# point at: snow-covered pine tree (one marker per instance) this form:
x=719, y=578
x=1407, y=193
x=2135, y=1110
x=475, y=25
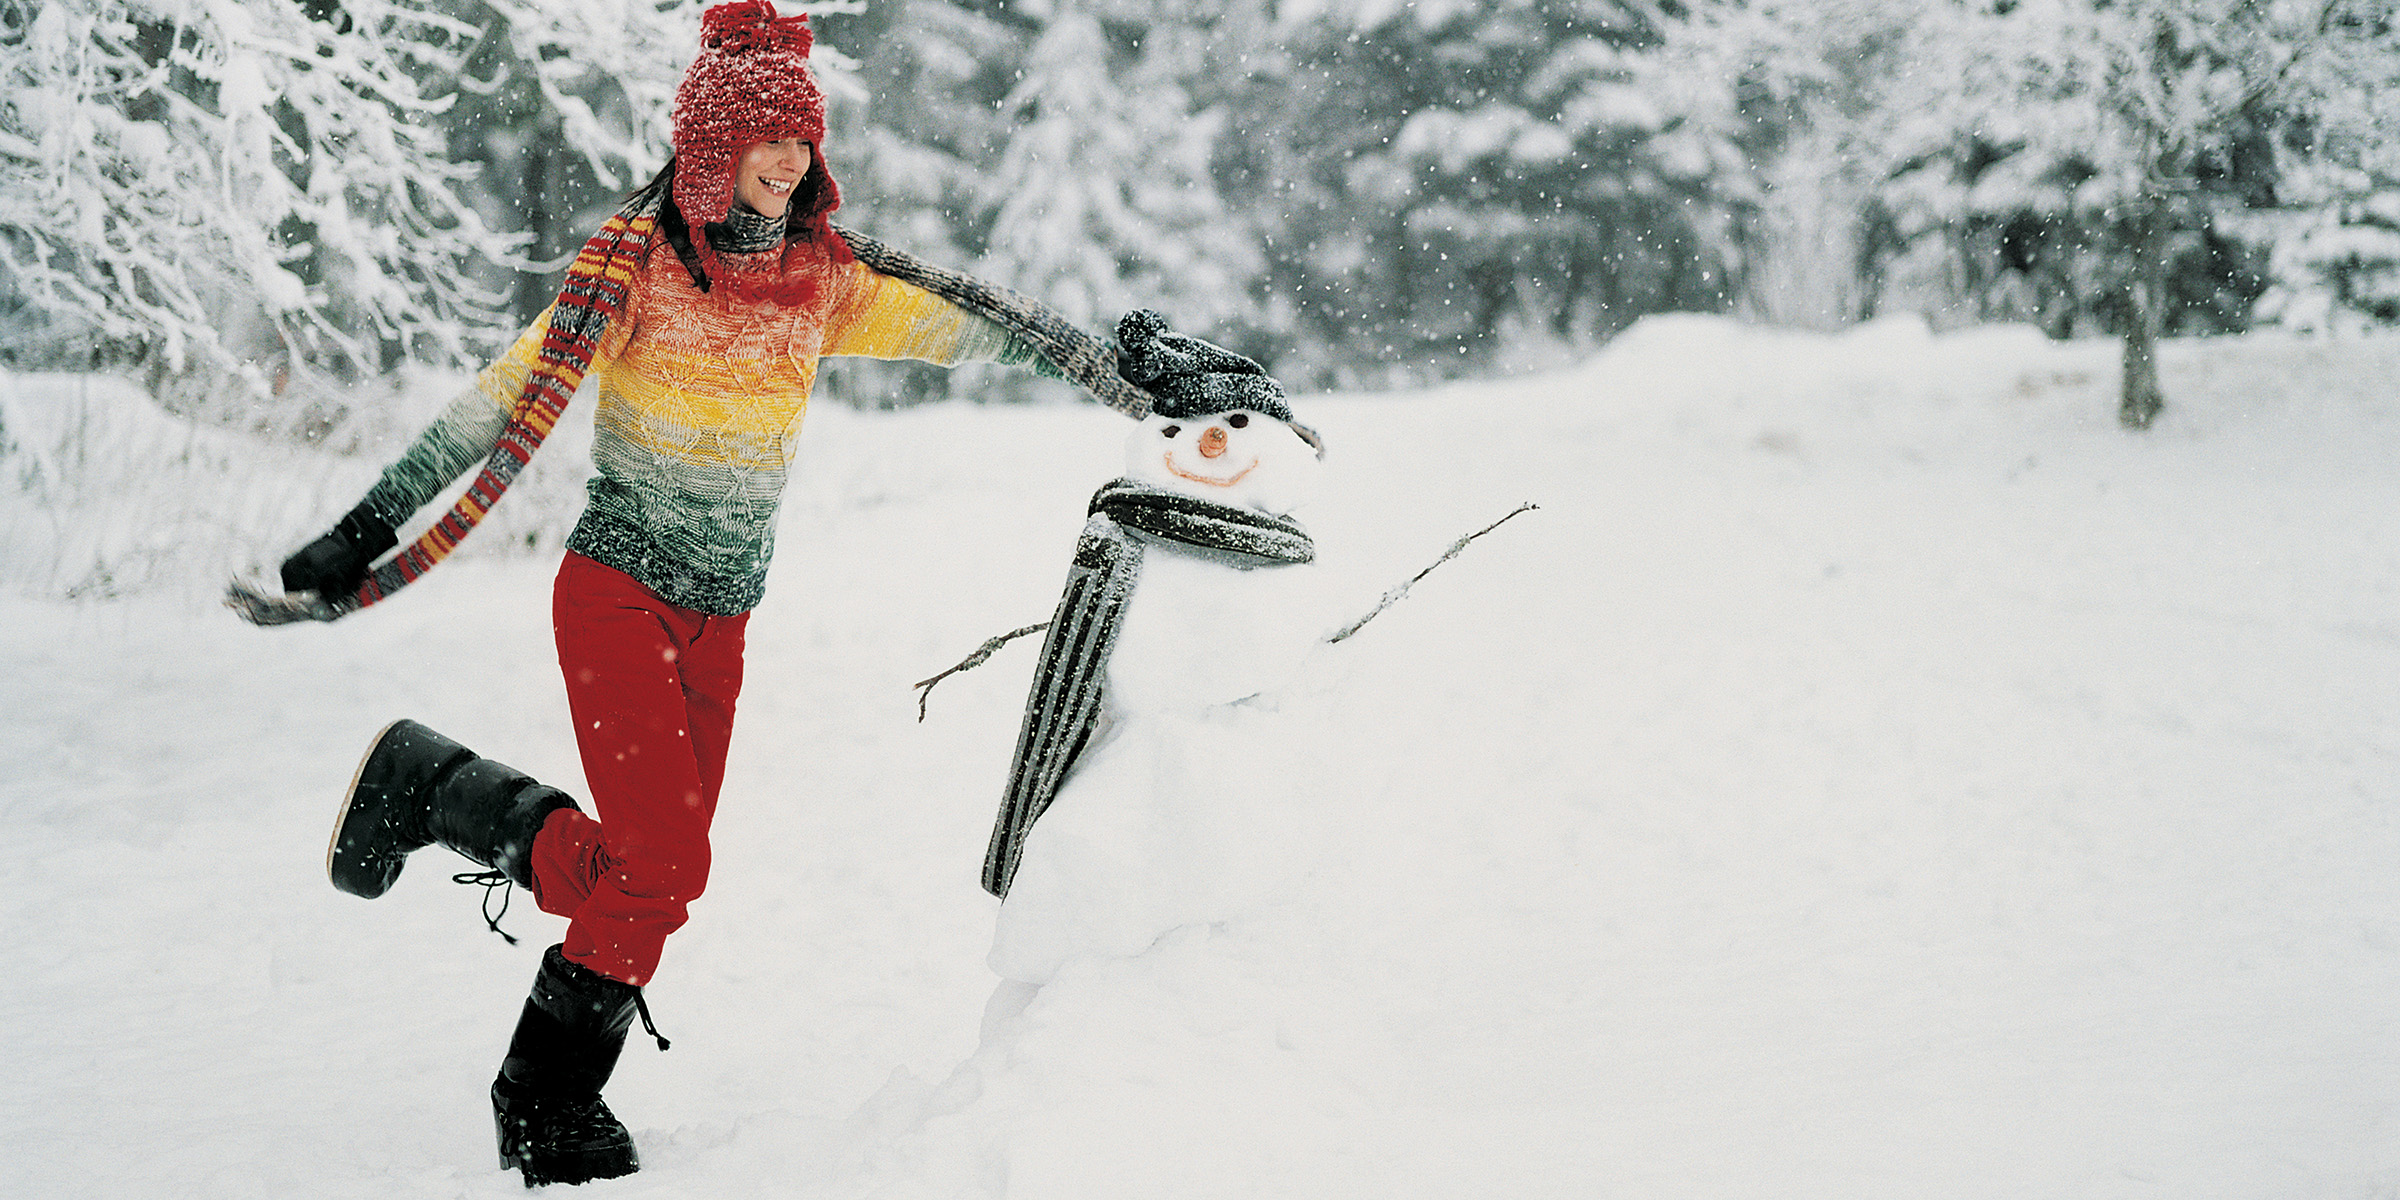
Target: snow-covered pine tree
x=231, y=196
x=920, y=117
x=1433, y=180
x=2337, y=250
x=1049, y=147
x=2336, y=231
x=2092, y=161
x=1103, y=200
x=1802, y=87
x=911, y=131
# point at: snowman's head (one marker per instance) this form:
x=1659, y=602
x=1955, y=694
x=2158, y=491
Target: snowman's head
x=1221, y=430
x=1238, y=456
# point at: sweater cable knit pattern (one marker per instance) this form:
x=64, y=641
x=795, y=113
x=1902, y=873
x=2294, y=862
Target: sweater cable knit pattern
x=699, y=411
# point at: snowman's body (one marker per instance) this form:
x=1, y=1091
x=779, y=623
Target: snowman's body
x=1157, y=825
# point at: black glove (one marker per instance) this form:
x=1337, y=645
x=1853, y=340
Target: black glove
x=334, y=565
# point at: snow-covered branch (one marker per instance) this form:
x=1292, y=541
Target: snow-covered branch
x=1396, y=595
x=239, y=187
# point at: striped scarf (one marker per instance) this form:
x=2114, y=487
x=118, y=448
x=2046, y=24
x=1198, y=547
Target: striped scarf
x=1063, y=707
x=593, y=295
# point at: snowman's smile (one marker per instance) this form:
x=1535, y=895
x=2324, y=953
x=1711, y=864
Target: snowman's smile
x=1224, y=481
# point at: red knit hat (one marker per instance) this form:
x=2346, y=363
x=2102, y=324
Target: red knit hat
x=750, y=84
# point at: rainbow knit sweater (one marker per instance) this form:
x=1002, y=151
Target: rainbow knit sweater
x=700, y=404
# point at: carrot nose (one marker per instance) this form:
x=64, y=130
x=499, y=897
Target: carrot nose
x=1212, y=442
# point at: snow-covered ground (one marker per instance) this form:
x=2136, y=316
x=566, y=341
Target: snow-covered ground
x=1870, y=773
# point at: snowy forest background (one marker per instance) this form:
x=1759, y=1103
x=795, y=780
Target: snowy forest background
x=1873, y=773
x=255, y=206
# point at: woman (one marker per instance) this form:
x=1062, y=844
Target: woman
x=704, y=358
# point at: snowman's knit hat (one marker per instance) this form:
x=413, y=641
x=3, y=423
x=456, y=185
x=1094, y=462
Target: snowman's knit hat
x=750, y=83
x=1189, y=377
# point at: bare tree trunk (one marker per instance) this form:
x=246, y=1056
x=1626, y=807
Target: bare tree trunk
x=539, y=201
x=2141, y=399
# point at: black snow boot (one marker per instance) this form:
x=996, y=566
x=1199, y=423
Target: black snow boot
x=546, y=1101
x=416, y=787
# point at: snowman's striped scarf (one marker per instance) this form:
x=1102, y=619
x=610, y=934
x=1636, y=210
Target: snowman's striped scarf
x=1064, y=704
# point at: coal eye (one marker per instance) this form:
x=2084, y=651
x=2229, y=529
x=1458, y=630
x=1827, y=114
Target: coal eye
x=1170, y=431
x=1238, y=420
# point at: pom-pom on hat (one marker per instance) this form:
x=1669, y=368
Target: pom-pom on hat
x=751, y=83
x=1189, y=377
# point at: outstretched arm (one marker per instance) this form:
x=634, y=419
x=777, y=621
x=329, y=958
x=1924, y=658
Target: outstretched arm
x=1077, y=355
x=325, y=578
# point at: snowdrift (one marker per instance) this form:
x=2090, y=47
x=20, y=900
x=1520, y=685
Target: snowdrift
x=1870, y=774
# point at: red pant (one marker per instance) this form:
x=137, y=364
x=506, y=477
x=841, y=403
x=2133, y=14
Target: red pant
x=651, y=687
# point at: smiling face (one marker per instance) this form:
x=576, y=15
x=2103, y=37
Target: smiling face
x=1201, y=451
x=767, y=173
x=1238, y=457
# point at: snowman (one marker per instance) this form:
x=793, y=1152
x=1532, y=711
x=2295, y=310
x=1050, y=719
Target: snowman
x=1137, y=802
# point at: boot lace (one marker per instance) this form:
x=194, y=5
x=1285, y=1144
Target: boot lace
x=642, y=1007
x=498, y=881
x=491, y=881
